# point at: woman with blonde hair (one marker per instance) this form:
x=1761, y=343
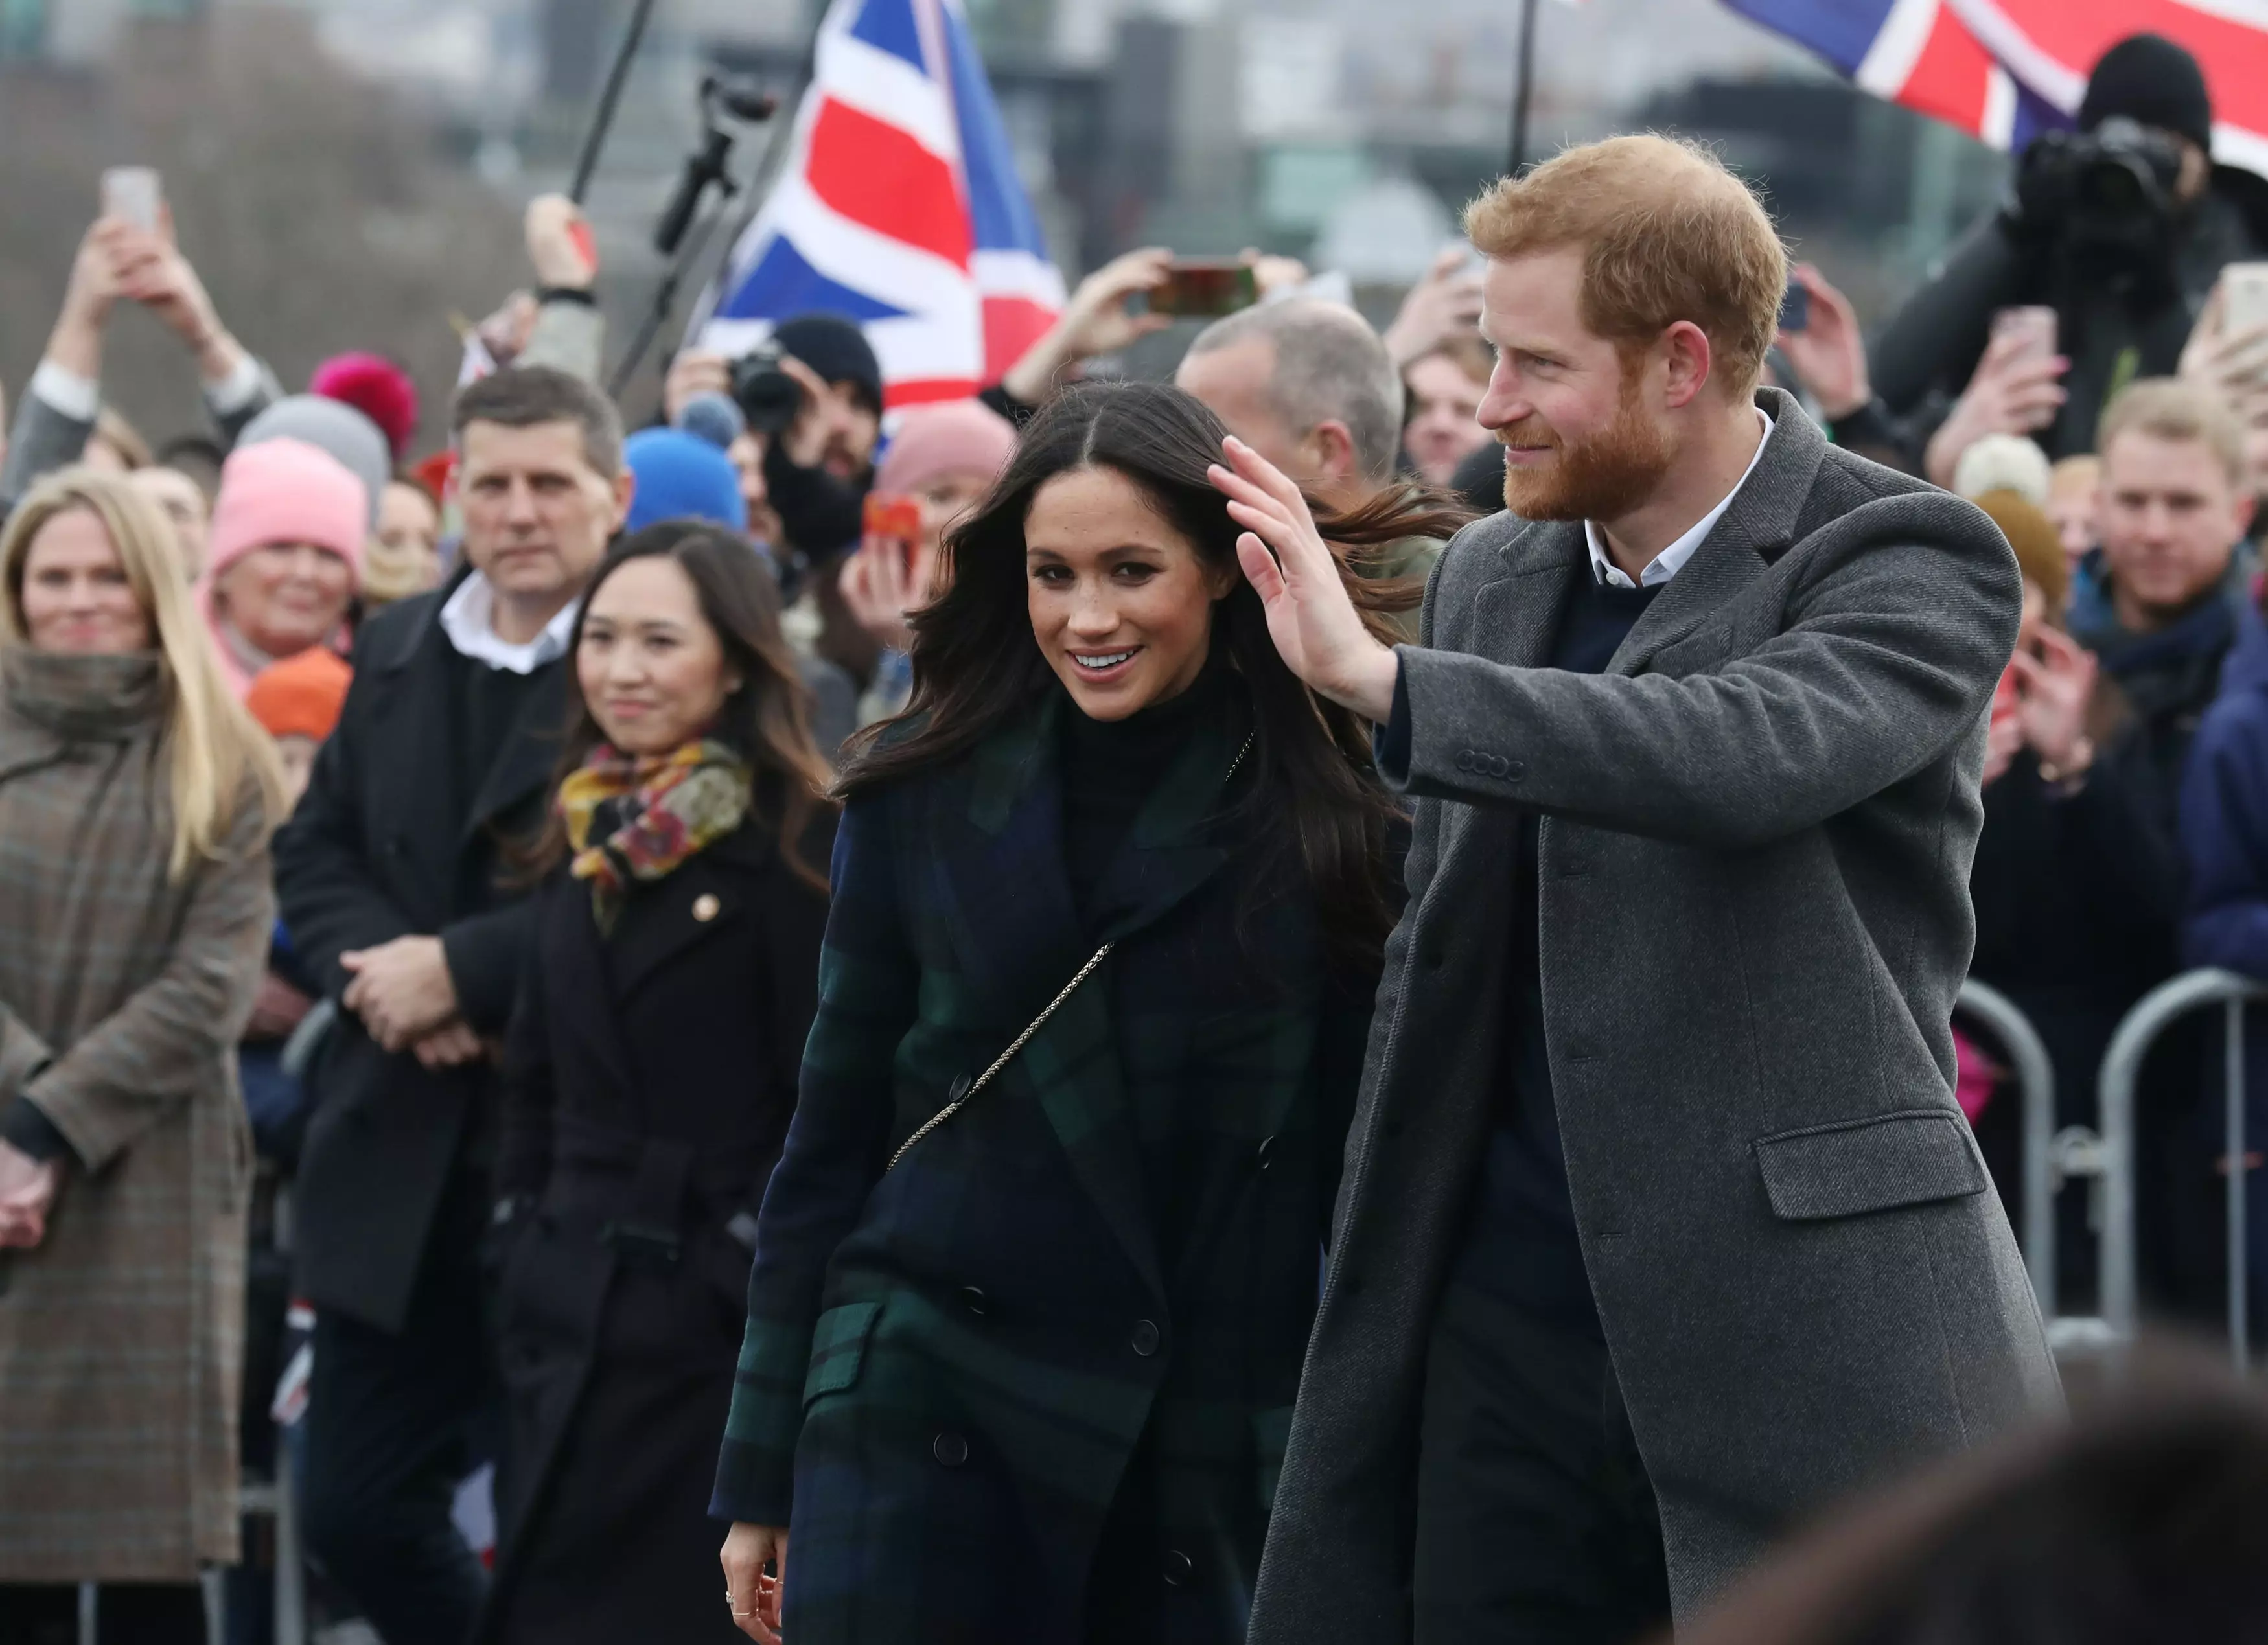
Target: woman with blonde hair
x=135, y=801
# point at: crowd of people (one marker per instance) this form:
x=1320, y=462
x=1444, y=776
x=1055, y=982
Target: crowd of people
x=815, y=973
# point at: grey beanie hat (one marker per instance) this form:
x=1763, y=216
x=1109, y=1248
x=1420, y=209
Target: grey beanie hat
x=331, y=426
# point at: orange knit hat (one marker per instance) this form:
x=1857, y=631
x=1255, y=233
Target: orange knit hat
x=301, y=695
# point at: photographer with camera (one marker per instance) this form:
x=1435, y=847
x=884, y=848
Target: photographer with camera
x=811, y=398
x=2121, y=229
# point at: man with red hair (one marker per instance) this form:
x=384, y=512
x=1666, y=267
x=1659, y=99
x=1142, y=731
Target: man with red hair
x=1661, y=1228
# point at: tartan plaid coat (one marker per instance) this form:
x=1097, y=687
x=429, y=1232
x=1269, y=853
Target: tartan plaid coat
x=947, y=1368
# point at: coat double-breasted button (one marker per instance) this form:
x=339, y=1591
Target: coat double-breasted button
x=1176, y=1568
x=1146, y=1338
x=950, y=1449
x=1267, y=1146
x=974, y=1300
x=959, y=1089
x=705, y=906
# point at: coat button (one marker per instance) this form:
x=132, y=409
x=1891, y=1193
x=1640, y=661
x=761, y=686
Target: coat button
x=1266, y=1145
x=950, y=1449
x=1464, y=760
x=973, y=1300
x=1146, y=1338
x=959, y=1089
x=705, y=906
x=1177, y=1567
x=1514, y=770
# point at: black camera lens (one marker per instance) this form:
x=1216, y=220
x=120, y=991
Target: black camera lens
x=769, y=398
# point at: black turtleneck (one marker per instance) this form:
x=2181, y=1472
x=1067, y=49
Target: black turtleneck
x=1110, y=768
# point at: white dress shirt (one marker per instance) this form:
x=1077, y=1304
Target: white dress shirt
x=468, y=619
x=1667, y=564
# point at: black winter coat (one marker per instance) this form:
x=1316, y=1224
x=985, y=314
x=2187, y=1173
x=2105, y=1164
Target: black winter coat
x=650, y=1075
x=384, y=845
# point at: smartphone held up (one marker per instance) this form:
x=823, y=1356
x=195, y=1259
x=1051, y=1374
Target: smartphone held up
x=132, y=194
x=2034, y=327
x=895, y=520
x=1204, y=287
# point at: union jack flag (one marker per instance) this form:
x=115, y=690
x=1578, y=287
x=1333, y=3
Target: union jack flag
x=899, y=207
x=2005, y=70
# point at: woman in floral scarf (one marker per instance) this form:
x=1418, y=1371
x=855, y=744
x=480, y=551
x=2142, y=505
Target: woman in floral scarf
x=651, y=1070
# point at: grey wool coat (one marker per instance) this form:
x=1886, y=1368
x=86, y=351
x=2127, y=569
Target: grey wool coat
x=1755, y=838
x=122, y=993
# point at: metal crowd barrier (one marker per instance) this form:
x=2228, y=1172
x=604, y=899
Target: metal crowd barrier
x=2122, y=1065
x=2104, y=1154
x=2034, y=1073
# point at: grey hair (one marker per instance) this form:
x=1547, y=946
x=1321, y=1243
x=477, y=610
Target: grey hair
x=1329, y=366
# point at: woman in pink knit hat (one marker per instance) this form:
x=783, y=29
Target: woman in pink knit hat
x=285, y=555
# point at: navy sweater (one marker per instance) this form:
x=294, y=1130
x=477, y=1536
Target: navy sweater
x=1519, y=1243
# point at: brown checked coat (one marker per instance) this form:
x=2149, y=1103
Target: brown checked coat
x=121, y=997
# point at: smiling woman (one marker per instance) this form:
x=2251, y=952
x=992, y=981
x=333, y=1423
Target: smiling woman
x=1047, y=1361
x=285, y=555
x=649, y=1076
x=136, y=798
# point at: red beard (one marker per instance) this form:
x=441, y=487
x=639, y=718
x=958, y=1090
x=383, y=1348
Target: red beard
x=1601, y=479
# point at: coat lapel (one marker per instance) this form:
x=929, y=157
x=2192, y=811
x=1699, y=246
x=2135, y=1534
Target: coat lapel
x=1514, y=620
x=1759, y=524
x=575, y=954
x=414, y=704
x=708, y=892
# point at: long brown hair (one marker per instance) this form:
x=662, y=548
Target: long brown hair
x=767, y=722
x=976, y=664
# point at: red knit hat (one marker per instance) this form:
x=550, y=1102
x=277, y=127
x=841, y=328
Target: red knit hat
x=301, y=695
x=376, y=387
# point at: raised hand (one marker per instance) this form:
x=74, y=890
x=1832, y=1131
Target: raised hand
x=93, y=291
x=1443, y=305
x=1311, y=617
x=2056, y=686
x=2012, y=391
x=882, y=589
x=693, y=372
x=1829, y=353
x=1098, y=319
x=2232, y=364
x=560, y=244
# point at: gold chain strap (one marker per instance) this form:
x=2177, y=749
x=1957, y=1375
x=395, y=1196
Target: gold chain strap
x=1037, y=1023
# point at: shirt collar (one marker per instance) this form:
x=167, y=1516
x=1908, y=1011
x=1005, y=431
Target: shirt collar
x=1667, y=564
x=468, y=619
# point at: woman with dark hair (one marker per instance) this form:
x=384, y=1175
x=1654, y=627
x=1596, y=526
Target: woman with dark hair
x=650, y=1071
x=1035, y=1275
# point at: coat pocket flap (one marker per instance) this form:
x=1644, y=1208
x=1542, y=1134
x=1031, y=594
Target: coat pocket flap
x=1869, y=1164
x=838, y=1348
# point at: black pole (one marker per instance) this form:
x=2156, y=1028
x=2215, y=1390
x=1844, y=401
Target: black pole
x=1526, y=87
x=603, y=119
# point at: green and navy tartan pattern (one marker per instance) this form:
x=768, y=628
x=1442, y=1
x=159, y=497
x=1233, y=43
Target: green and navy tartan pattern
x=947, y=1370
